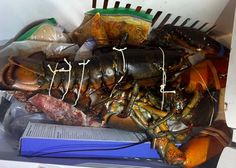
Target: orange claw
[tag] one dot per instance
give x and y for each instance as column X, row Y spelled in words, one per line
column 209, row 143
column 210, row 73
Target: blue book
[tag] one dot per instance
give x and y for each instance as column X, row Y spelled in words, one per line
column 50, row 140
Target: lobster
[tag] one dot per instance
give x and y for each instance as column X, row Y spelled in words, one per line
column 189, row 38
column 109, row 78
column 100, row 75
column 112, row 83
column 196, row 82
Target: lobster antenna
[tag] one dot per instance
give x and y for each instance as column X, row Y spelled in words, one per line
column 210, row 29
column 212, row 116
column 68, row 47
column 208, row 91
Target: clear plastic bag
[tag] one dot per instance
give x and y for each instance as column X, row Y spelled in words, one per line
column 48, row 30
column 110, row 25
column 15, row 118
column 93, row 28
column 26, row 48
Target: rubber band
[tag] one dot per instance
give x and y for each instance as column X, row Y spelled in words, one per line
column 124, row 61
column 163, row 85
column 69, row 77
column 81, row 80
column 124, row 67
column 216, row 136
column 220, row 132
column 60, row 70
column 53, row 76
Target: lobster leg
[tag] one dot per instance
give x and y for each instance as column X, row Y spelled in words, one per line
column 186, row 114
column 145, row 118
column 114, row 121
column 169, row 151
column 164, row 146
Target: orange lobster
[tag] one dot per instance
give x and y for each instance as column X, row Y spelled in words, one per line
column 210, row 73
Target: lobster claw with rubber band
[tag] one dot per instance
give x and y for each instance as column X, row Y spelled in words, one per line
column 189, row 38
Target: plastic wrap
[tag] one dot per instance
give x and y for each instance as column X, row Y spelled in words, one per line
column 93, row 28
column 15, row 118
column 111, row 24
column 48, row 30
column 26, row 48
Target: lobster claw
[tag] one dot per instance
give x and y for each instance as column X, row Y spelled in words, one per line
column 188, row 38
column 207, row 144
column 210, row 73
column 168, row 150
column 22, row 73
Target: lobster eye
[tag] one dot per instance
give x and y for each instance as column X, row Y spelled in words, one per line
column 109, row 72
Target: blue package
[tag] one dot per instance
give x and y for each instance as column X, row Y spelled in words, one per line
column 50, row 140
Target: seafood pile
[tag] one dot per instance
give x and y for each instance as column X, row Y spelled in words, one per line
column 133, row 80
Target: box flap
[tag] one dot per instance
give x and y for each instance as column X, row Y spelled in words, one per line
column 230, row 92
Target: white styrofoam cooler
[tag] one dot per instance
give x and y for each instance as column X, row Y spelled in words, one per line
column 18, row 13
column 15, row 15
